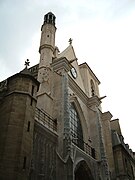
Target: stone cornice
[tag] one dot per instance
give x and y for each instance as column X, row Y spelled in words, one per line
column 106, row 116
column 21, row 93
column 94, row 101
column 61, row 64
column 25, row 76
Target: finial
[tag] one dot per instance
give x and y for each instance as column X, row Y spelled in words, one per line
column 70, row 41
column 27, row 63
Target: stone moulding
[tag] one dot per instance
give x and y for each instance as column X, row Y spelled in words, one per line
column 61, row 64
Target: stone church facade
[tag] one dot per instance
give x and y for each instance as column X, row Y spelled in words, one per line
column 52, row 124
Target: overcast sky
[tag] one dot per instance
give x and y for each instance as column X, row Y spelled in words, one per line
column 103, row 33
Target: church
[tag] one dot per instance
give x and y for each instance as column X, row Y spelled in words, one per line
column 52, row 124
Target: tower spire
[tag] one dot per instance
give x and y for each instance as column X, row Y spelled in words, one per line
column 46, row 50
column 47, row 43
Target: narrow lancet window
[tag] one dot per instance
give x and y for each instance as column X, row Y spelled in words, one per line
column 92, row 88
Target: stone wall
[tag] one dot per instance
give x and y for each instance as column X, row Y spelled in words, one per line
column 44, row 154
column 17, row 121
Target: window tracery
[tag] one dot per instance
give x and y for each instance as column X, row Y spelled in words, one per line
column 76, row 128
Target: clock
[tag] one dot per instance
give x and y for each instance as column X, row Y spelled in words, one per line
column 73, row 73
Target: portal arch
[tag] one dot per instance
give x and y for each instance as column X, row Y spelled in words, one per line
column 82, row 171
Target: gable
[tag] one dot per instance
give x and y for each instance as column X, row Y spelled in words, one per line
column 69, row 53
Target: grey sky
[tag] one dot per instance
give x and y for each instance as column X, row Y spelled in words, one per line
column 103, row 36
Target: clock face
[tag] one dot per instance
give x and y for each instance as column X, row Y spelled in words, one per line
column 73, row 72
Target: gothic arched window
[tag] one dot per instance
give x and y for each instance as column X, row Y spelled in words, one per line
column 76, row 128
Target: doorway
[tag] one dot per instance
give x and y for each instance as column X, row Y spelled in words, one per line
column 82, row 172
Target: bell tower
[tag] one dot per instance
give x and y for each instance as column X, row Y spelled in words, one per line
column 47, row 43
column 45, row 74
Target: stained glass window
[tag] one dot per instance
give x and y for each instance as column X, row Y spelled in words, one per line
column 76, row 128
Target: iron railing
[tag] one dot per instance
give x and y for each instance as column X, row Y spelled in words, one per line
column 89, row 150
column 84, row 146
column 43, row 118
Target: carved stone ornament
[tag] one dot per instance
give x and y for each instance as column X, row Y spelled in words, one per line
column 3, row 85
column 46, row 75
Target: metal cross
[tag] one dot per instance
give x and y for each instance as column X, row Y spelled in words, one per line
column 70, row 41
column 27, row 63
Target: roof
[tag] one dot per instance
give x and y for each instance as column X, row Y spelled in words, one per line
column 90, row 70
column 69, row 53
